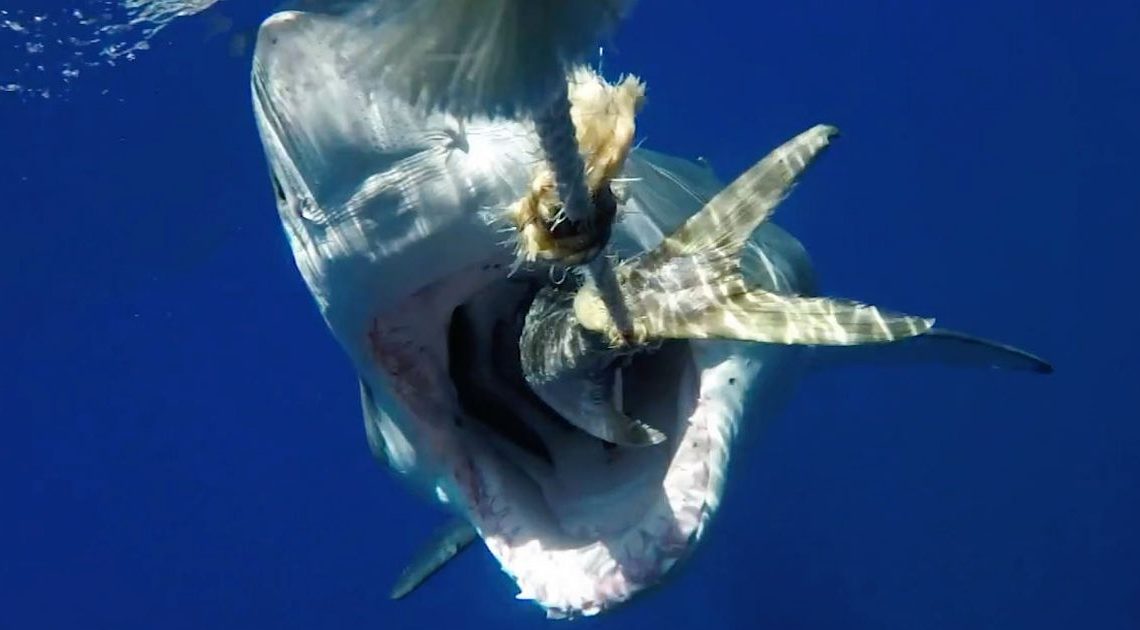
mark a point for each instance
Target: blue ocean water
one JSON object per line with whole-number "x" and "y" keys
{"x": 182, "y": 445}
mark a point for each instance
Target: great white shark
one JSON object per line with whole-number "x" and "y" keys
{"x": 393, "y": 217}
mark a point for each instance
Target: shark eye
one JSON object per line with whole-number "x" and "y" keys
{"x": 277, "y": 190}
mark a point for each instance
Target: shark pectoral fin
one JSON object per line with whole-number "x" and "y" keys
{"x": 447, "y": 542}
{"x": 452, "y": 538}
{"x": 765, "y": 317}
{"x": 938, "y": 346}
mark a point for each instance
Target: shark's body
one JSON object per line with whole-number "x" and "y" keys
{"x": 391, "y": 215}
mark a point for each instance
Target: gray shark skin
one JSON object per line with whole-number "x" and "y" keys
{"x": 393, "y": 219}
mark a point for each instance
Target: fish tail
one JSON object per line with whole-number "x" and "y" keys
{"x": 692, "y": 285}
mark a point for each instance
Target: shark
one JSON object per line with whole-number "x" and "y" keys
{"x": 589, "y": 464}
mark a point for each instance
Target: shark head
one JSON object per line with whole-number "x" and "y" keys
{"x": 393, "y": 216}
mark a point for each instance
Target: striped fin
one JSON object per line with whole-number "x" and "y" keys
{"x": 692, "y": 285}
{"x": 726, "y": 222}
{"x": 770, "y": 318}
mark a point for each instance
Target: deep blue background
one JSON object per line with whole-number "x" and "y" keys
{"x": 181, "y": 443}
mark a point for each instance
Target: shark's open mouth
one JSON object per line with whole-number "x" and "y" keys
{"x": 580, "y": 524}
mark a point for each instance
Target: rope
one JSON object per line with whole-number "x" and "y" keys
{"x": 602, "y": 273}
{"x": 559, "y": 143}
